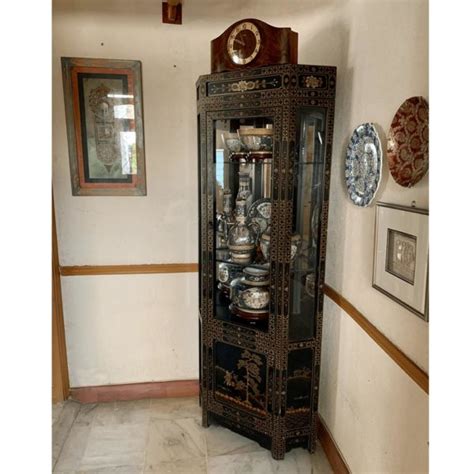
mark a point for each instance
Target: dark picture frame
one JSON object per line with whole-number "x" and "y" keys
{"x": 104, "y": 119}
{"x": 400, "y": 269}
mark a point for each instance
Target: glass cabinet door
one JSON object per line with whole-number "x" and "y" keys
{"x": 243, "y": 152}
{"x": 307, "y": 204}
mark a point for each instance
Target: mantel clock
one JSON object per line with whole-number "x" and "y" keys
{"x": 252, "y": 42}
{"x": 264, "y": 141}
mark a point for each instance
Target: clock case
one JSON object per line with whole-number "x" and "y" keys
{"x": 278, "y": 46}
{"x": 280, "y": 360}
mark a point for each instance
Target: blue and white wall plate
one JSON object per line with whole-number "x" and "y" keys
{"x": 363, "y": 165}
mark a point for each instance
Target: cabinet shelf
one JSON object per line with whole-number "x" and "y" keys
{"x": 260, "y": 266}
{"x": 223, "y": 313}
{"x": 267, "y": 162}
{"x": 293, "y": 269}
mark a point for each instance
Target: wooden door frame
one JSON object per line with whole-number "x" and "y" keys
{"x": 60, "y": 373}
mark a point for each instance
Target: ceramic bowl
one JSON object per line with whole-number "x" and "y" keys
{"x": 233, "y": 142}
{"x": 257, "y": 139}
{"x": 254, "y": 298}
{"x": 249, "y": 297}
{"x": 256, "y": 276}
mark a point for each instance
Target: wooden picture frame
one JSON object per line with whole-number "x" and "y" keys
{"x": 401, "y": 256}
{"x": 104, "y": 118}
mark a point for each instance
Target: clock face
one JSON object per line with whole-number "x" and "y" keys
{"x": 243, "y": 43}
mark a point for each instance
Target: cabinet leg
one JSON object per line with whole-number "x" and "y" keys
{"x": 205, "y": 419}
{"x": 278, "y": 448}
{"x": 312, "y": 442}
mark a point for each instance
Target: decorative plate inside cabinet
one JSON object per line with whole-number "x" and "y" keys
{"x": 407, "y": 142}
{"x": 261, "y": 212}
{"x": 363, "y": 164}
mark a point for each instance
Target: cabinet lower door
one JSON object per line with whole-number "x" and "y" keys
{"x": 240, "y": 378}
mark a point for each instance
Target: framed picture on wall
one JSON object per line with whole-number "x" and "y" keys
{"x": 401, "y": 256}
{"x": 104, "y": 118}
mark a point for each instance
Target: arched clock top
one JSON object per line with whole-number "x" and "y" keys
{"x": 251, "y": 43}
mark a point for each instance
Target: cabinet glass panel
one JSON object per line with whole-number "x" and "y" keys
{"x": 307, "y": 196}
{"x": 243, "y": 150}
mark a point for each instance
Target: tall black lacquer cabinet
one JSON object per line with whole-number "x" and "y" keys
{"x": 265, "y": 142}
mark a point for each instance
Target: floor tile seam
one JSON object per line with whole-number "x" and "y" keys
{"x": 60, "y": 412}
{"x": 128, "y": 423}
{"x": 88, "y": 429}
{"x": 67, "y": 436}
{"x": 93, "y": 424}
{"x": 147, "y": 439}
{"x": 94, "y": 416}
{"x": 105, "y": 470}
{"x": 206, "y": 454}
{"x": 176, "y": 461}
{"x": 194, "y": 442}
{"x": 236, "y": 451}
{"x": 173, "y": 419}
{"x": 108, "y": 467}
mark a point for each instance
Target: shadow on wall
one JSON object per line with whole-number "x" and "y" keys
{"x": 332, "y": 41}
{"x": 385, "y": 171}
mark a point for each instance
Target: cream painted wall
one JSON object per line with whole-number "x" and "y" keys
{"x": 386, "y": 62}
{"x": 161, "y": 227}
{"x": 126, "y": 329}
{"x": 376, "y": 413}
{"x": 143, "y": 327}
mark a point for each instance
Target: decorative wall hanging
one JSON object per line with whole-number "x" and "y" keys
{"x": 103, "y": 99}
{"x": 407, "y": 142}
{"x": 172, "y": 12}
{"x": 401, "y": 256}
{"x": 363, "y": 164}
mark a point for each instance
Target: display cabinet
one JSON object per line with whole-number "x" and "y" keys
{"x": 265, "y": 140}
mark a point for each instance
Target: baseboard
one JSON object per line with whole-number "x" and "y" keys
{"x": 334, "y": 455}
{"x": 135, "y": 391}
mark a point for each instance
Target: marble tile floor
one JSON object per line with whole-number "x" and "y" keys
{"x": 161, "y": 436}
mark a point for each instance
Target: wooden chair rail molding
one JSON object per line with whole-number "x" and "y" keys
{"x": 402, "y": 360}
{"x": 129, "y": 269}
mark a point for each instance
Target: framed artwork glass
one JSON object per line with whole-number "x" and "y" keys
{"x": 401, "y": 256}
{"x": 104, "y": 118}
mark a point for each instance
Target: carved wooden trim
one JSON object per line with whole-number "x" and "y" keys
{"x": 77, "y": 270}
{"x": 402, "y": 360}
{"x": 135, "y": 391}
